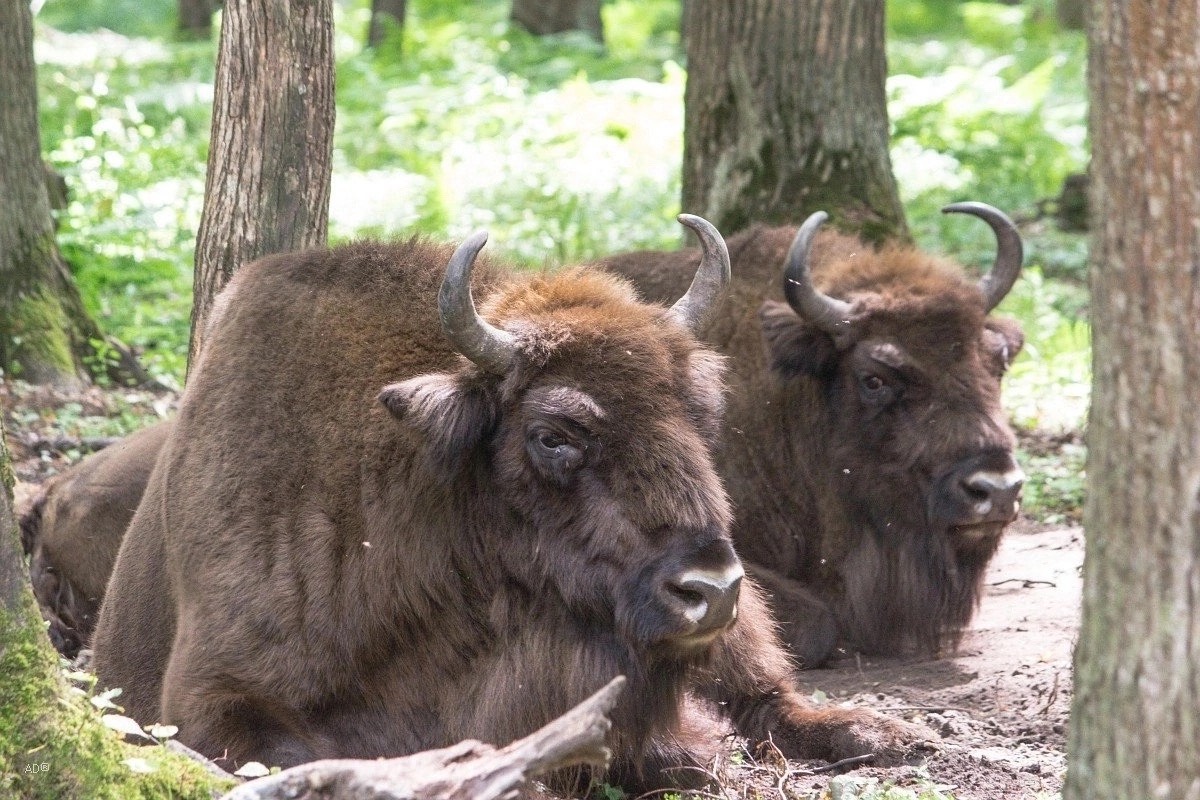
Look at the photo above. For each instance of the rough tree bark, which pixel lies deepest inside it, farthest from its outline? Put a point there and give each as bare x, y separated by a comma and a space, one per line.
385, 14
46, 335
270, 161
558, 16
1135, 720
785, 114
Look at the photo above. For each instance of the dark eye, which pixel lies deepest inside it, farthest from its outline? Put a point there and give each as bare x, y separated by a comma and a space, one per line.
555, 454
551, 440
875, 390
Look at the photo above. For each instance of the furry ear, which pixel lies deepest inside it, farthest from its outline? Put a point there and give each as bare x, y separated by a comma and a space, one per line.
450, 415
793, 346
1004, 338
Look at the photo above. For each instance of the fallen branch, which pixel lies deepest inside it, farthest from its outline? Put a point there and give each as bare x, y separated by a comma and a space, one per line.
469, 770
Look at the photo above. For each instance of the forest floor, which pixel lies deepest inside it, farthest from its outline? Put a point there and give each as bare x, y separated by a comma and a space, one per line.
1000, 703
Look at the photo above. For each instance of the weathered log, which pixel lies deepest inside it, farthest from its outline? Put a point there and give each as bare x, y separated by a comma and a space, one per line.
469, 770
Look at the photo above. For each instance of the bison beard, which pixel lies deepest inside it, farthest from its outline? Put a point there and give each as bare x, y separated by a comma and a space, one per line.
864, 430
356, 542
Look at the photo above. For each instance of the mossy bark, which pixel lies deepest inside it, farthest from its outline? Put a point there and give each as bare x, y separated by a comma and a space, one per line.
46, 334
785, 114
52, 743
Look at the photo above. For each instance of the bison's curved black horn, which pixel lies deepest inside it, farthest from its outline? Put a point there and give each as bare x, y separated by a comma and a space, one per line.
1009, 250
707, 292
827, 313
489, 347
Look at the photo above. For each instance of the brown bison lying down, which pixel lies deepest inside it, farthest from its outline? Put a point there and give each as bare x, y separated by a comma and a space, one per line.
866, 453
863, 437
74, 528
382, 524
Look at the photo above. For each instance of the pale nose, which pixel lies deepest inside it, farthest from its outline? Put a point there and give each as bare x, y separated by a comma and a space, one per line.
707, 598
994, 495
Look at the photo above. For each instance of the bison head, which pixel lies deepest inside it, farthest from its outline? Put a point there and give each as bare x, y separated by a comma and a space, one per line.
920, 478
583, 421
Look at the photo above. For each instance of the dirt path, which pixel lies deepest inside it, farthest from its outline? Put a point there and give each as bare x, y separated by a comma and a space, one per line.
1001, 702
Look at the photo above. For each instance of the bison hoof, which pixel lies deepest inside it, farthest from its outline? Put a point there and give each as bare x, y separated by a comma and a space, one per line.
890, 740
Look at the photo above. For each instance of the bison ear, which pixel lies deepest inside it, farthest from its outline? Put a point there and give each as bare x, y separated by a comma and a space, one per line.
793, 346
1004, 338
451, 415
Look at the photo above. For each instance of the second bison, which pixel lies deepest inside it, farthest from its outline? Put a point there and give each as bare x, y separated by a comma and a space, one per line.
869, 460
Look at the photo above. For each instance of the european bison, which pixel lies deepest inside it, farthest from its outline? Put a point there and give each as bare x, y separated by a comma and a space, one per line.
869, 462
73, 530
358, 542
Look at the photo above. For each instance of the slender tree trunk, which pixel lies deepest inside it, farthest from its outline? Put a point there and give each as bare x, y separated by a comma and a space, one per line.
46, 335
558, 16
786, 114
385, 14
1135, 720
270, 161
195, 18
52, 744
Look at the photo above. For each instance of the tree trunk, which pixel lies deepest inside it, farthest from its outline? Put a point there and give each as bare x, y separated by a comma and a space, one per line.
46, 335
52, 743
195, 18
785, 114
1135, 719
558, 16
270, 161
385, 14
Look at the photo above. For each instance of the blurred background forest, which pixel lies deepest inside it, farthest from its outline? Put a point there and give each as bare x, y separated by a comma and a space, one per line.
565, 150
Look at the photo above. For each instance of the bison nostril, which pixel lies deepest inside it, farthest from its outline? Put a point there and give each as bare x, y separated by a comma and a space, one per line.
706, 598
691, 603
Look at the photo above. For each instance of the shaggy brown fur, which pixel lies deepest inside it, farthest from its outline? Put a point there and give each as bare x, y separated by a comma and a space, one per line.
357, 543
840, 494
73, 530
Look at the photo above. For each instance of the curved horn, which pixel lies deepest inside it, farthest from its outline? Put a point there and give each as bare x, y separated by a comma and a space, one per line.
489, 347
1009, 251
827, 313
707, 292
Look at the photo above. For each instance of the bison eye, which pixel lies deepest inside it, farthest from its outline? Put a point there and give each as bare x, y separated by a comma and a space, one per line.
550, 440
555, 455
875, 390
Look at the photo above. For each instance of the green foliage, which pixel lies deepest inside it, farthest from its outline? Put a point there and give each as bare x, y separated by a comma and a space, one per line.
1055, 485
563, 149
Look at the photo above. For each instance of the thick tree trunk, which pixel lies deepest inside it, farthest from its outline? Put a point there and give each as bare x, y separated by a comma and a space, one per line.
195, 17
558, 16
385, 14
52, 743
270, 161
786, 114
1135, 720
46, 335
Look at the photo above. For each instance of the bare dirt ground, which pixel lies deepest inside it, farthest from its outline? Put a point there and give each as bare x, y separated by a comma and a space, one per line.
1000, 703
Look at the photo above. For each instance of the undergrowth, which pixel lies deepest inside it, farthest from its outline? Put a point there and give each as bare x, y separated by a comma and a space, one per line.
563, 149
